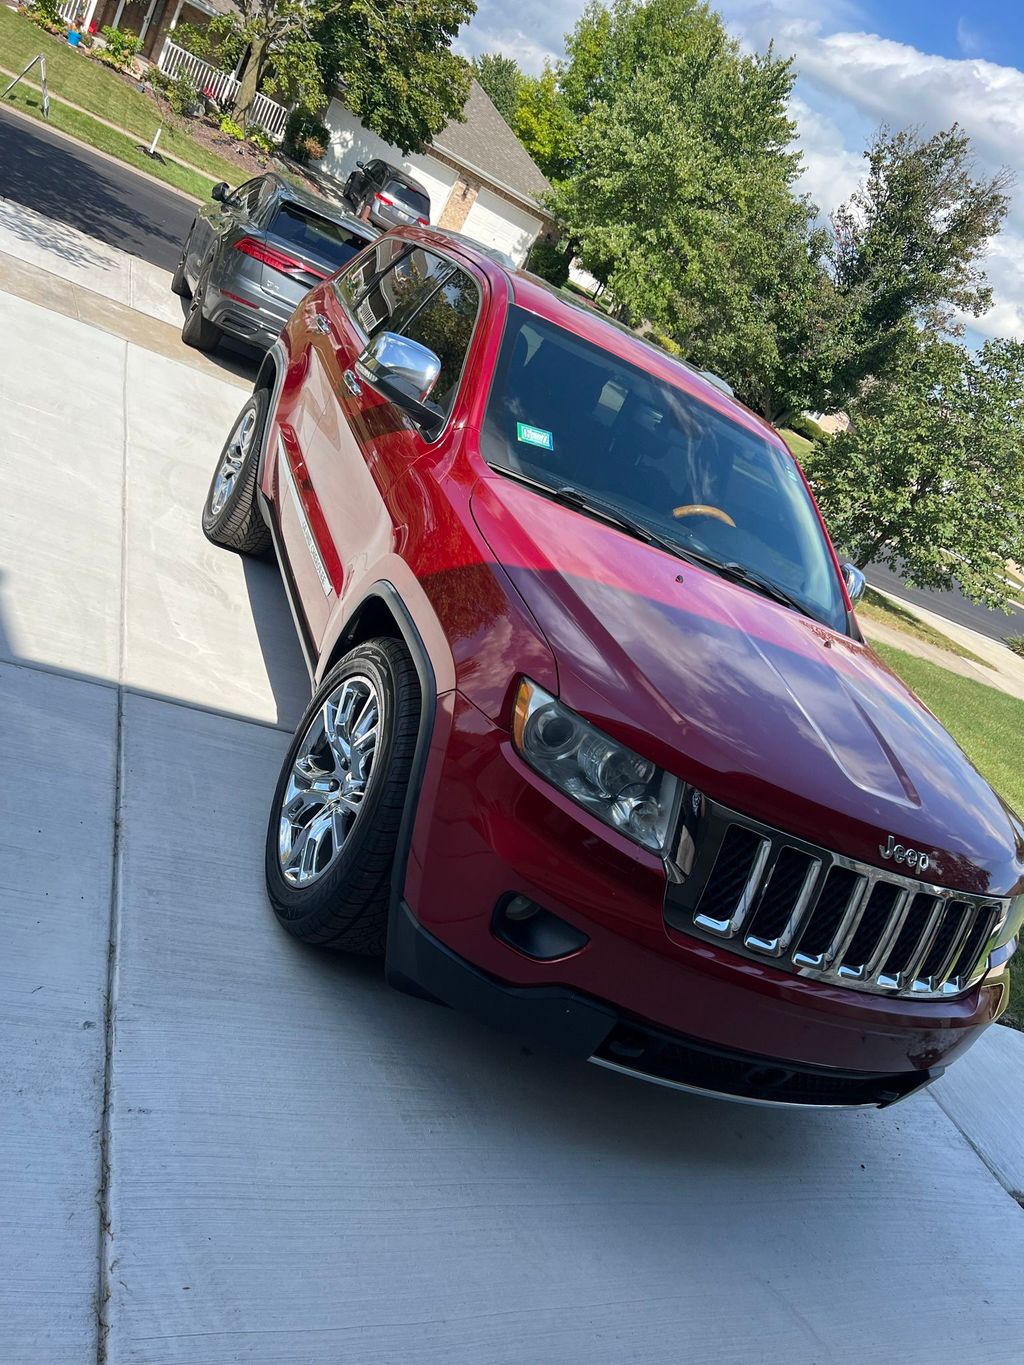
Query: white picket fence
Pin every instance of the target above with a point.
(221, 86)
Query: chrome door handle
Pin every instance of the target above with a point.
(352, 383)
(321, 323)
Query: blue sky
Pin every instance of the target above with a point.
(861, 63)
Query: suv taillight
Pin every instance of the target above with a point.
(277, 260)
(385, 199)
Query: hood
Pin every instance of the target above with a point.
(760, 707)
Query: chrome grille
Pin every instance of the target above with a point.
(823, 915)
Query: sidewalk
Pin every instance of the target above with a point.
(1005, 670)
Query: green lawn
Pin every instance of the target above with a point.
(989, 726)
(799, 446)
(73, 76)
(874, 607)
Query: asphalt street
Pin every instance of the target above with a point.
(954, 606)
(69, 183)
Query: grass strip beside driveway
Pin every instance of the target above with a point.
(875, 606)
(73, 76)
(989, 727)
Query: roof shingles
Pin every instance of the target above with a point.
(485, 143)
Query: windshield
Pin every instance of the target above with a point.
(408, 198)
(566, 412)
(315, 236)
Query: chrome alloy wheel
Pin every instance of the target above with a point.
(236, 452)
(328, 780)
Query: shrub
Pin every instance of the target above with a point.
(1016, 643)
(46, 12)
(159, 80)
(666, 342)
(232, 129)
(260, 140)
(183, 94)
(808, 428)
(122, 47)
(302, 128)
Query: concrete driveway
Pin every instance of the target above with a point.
(218, 1146)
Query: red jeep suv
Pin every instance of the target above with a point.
(596, 750)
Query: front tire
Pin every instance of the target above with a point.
(231, 515)
(334, 823)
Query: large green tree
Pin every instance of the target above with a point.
(544, 123)
(393, 63)
(499, 76)
(394, 66)
(930, 476)
(908, 248)
(679, 196)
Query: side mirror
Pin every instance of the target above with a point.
(361, 165)
(855, 582)
(404, 372)
(221, 191)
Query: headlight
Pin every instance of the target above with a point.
(612, 782)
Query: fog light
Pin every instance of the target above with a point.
(520, 909)
(535, 932)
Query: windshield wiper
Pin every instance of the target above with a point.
(728, 568)
(586, 502)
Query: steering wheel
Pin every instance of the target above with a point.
(703, 509)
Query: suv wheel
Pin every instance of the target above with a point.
(339, 801)
(197, 330)
(179, 280)
(231, 516)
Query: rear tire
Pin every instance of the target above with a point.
(198, 331)
(231, 514)
(328, 870)
(179, 280)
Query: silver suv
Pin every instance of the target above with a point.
(252, 253)
(387, 196)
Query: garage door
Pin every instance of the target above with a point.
(351, 142)
(435, 178)
(496, 222)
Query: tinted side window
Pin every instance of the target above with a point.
(352, 284)
(444, 323)
(392, 299)
(247, 197)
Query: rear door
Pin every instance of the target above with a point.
(364, 445)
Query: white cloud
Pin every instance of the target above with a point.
(968, 39)
(849, 80)
(533, 31)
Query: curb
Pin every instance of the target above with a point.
(95, 151)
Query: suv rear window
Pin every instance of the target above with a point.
(332, 243)
(410, 199)
(563, 411)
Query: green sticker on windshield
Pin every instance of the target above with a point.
(534, 436)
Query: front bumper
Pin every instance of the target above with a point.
(591, 1030)
(639, 996)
